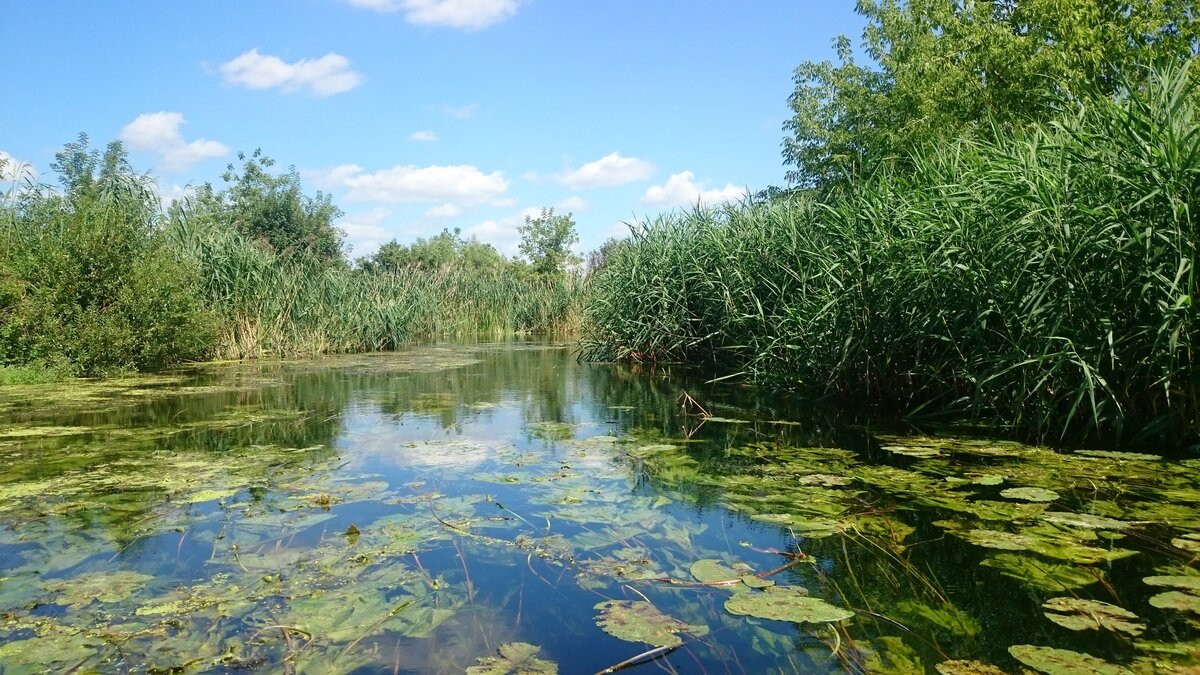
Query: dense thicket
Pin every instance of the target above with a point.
(1042, 278)
(95, 278)
(942, 69)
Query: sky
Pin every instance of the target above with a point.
(419, 115)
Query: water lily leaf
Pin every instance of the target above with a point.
(913, 451)
(1191, 582)
(1188, 542)
(964, 667)
(80, 591)
(515, 658)
(756, 582)
(1084, 520)
(1063, 661)
(987, 479)
(1080, 614)
(1177, 600)
(708, 571)
(640, 621)
(1042, 574)
(785, 604)
(1030, 494)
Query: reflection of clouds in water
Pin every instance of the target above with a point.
(461, 453)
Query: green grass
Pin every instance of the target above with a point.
(1041, 281)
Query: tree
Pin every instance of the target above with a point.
(546, 242)
(275, 212)
(447, 249)
(943, 67)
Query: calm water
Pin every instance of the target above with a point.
(506, 509)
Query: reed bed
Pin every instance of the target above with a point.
(270, 305)
(1040, 281)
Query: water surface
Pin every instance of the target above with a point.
(502, 508)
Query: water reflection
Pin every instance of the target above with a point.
(505, 507)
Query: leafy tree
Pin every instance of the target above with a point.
(275, 212)
(546, 242)
(597, 260)
(942, 67)
(87, 277)
(447, 249)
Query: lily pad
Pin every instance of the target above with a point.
(785, 604)
(1177, 600)
(1084, 520)
(1063, 661)
(640, 621)
(1030, 494)
(709, 571)
(1042, 574)
(1191, 583)
(514, 658)
(1081, 614)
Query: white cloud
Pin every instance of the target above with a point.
(424, 136)
(461, 112)
(159, 133)
(461, 185)
(609, 170)
(444, 211)
(502, 233)
(16, 170)
(365, 231)
(681, 189)
(468, 14)
(573, 204)
(328, 75)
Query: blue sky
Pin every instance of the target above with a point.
(422, 114)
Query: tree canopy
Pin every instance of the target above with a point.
(546, 242)
(941, 67)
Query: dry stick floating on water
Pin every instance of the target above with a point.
(640, 658)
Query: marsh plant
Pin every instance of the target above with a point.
(96, 277)
(1040, 279)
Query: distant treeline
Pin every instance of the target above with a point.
(96, 277)
(993, 221)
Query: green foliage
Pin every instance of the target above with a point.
(546, 242)
(943, 69)
(439, 252)
(1041, 279)
(274, 212)
(86, 276)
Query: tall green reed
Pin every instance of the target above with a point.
(1041, 281)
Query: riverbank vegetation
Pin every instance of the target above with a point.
(993, 221)
(97, 278)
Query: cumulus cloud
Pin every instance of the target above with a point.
(461, 185)
(609, 170)
(365, 231)
(444, 211)
(681, 189)
(466, 14)
(13, 169)
(574, 204)
(424, 136)
(328, 75)
(502, 232)
(159, 133)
